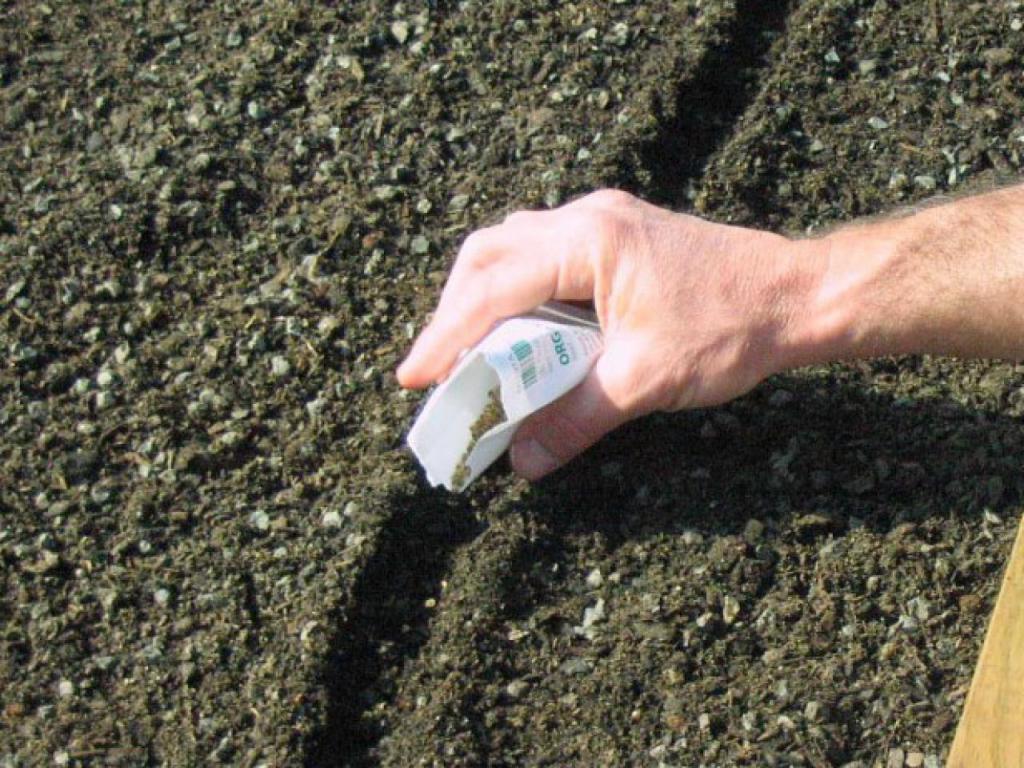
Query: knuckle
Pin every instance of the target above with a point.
(611, 198)
(474, 250)
(600, 230)
(607, 228)
(521, 218)
(627, 393)
(638, 386)
(678, 390)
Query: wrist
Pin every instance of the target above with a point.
(946, 280)
(848, 301)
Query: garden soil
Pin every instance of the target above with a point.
(221, 223)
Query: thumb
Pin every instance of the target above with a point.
(562, 430)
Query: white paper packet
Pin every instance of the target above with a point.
(528, 362)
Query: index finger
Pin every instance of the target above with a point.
(500, 272)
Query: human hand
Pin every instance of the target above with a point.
(693, 313)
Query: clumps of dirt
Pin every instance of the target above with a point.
(491, 416)
(216, 236)
(216, 233)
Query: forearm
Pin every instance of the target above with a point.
(946, 280)
(695, 313)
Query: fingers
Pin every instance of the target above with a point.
(500, 272)
(605, 399)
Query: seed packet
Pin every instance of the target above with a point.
(523, 364)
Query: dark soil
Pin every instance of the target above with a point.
(220, 225)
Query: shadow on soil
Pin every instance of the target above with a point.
(831, 447)
(385, 620)
(710, 102)
(838, 452)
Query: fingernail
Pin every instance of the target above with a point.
(532, 460)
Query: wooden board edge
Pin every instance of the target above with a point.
(990, 733)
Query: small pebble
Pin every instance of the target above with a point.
(255, 110)
(516, 689)
(926, 182)
(259, 520)
(65, 688)
(998, 57)
(878, 123)
(814, 711)
(106, 379)
(730, 609)
(200, 162)
(315, 407)
(915, 759)
(593, 614)
(419, 245)
(400, 31)
(692, 538)
(23, 353)
(576, 666)
(619, 35)
(14, 290)
(921, 608)
(280, 366)
(104, 401)
(331, 519)
(153, 651)
(749, 721)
